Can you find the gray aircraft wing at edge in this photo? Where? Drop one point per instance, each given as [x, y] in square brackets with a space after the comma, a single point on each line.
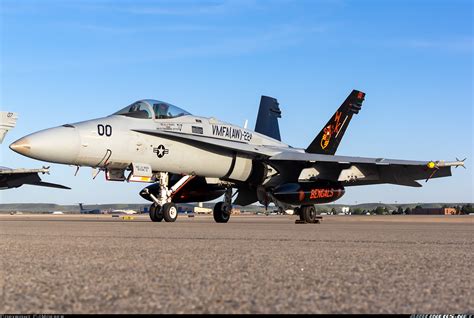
[303, 156]
[14, 178]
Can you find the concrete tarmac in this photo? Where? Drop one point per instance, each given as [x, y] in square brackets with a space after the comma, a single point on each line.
[253, 264]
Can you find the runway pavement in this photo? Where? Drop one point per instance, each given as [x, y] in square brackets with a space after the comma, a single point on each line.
[253, 264]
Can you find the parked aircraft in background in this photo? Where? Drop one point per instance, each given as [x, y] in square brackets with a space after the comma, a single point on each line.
[105, 211]
[14, 178]
[7, 122]
[124, 211]
[89, 211]
[193, 159]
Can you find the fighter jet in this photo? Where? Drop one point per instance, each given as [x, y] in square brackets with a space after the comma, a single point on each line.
[14, 178]
[190, 158]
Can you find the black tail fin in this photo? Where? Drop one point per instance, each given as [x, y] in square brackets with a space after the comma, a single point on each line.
[267, 118]
[328, 139]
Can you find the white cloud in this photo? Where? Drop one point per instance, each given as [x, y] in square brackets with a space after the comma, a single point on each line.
[450, 44]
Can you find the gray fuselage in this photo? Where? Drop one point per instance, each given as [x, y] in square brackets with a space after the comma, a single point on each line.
[112, 142]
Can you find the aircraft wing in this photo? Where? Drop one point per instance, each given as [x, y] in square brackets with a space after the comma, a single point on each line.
[353, 171]
[14, 178]
[303, 156]
[254, 150]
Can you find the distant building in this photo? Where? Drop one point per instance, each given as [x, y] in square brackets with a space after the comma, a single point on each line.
[435, 211]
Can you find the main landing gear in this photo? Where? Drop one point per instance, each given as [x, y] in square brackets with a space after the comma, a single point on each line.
[223, 209]
[162, 207]
[307, 214]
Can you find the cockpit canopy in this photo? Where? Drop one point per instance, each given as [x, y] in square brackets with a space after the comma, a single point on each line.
[150, 108]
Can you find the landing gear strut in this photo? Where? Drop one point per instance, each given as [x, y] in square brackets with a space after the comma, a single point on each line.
[222, 210]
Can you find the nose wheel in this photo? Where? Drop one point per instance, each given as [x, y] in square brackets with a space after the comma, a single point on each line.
[155, 213]
[167, 212]
[163, 208]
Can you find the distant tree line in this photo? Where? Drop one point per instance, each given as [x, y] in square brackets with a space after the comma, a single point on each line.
[383, 210]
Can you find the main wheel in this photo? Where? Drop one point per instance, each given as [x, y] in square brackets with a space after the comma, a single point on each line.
[220, 216]
[297, 211]
[308, 212]
[170, 212]
[155, 213]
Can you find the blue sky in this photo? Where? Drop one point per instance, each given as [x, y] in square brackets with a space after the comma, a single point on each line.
[68, 61]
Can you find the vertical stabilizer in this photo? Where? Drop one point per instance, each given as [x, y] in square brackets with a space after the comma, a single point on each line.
[328, 139]
[267, 118]
[7, 122]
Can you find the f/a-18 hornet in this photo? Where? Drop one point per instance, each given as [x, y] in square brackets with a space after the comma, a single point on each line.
[194, 159]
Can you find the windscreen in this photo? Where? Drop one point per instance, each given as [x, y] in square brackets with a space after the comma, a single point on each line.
[137, 110]
[164, 110]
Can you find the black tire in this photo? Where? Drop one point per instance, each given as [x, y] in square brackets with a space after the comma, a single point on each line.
[169, 212]
[220, 216]
[309, 213]
[299, 212]
[155, 213]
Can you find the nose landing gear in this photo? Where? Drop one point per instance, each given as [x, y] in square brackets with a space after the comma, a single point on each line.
[155, 213]
[162, 207]
[167, 212]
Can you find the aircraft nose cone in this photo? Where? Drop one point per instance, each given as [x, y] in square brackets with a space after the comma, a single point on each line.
[60, 145]
[21, 146]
